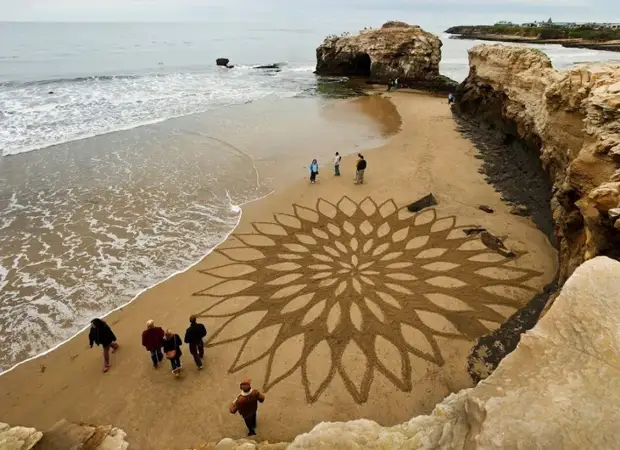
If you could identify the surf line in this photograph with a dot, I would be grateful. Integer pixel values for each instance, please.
(233, 207)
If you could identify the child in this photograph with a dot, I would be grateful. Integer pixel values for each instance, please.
(314, 171)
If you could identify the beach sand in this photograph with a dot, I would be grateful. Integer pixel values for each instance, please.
(335, 300)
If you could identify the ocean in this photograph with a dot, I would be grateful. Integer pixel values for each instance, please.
(126, 153)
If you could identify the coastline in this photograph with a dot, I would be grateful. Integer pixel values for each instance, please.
(611, 46)
(128, 416)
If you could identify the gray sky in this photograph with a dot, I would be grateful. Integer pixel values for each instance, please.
(428, 13)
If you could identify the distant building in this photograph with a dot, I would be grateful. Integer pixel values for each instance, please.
(503, 23)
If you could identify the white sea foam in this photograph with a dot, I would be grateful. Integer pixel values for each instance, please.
(35, 115)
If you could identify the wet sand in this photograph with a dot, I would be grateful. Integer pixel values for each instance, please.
(332, 297)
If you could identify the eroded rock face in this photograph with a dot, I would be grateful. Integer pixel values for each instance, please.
(558, 390)
(18, 438)
(572, 120)
(397, 50)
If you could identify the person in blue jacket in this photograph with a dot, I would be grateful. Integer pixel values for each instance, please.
(314, 170)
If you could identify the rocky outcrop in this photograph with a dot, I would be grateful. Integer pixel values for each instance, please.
(396, 50)
(62, 436)
(18, 438)
(571, 120)
(558, 390)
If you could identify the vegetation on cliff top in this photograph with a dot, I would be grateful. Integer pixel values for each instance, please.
(541, 33)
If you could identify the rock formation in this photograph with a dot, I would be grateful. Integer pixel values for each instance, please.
(396, 50)
(571, 119)
(62, 436)
(557, 390)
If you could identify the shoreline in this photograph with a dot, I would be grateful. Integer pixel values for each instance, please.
(406, 166)
(261, 186)
(612, 46)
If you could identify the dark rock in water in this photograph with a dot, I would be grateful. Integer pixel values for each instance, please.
(230, 66)
(486, 209)
(424, 202)
(222, 61)
(50, 92)
(268, 66)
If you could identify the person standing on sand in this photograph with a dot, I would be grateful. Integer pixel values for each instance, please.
(450, 99)
(246, 404)
(337, 160)
(153, 340)
(360, 168)
(314, 170)
(101, 334)
(194, 338)
(172, 348)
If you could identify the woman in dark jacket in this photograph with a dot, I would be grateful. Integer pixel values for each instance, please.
(172, 349)
(101, 334)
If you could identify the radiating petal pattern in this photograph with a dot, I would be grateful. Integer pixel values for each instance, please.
(351, 289)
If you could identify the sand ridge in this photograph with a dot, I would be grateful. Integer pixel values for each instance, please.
(332, 297)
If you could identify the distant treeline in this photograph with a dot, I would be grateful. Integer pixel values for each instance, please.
(586, 33)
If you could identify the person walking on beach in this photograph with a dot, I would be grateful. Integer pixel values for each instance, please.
(314, 170)
(153, 340)
(194, 338)
(450, 99)
(101, 334)
(246, 404)
(360, 168)
(172, 348)
(337, 160)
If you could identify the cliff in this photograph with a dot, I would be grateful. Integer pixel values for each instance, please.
(570, 119)
(558, 390)
(596, 39)
(396, 50)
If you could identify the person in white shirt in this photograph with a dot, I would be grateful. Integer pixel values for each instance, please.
(337, 160)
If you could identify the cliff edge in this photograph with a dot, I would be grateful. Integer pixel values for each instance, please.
(571, 119)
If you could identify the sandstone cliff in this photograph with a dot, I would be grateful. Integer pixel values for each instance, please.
(396, 50)
(557, 390)
(572, 120)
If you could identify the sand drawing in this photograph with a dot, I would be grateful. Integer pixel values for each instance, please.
(351, 289)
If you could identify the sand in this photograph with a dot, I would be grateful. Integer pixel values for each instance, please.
(332, 297)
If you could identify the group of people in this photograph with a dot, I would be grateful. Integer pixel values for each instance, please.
(160, 344)
(156, 341)
(360, 168)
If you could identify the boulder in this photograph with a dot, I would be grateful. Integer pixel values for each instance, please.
(18, 438)
(569, 119)
(397, 50)
(269, 66)
(222, 62)
(425, 202)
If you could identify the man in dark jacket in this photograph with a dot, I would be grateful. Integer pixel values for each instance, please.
(194, 338)
(246, 404)
(152, 339)
(101, 334)
(360, 169)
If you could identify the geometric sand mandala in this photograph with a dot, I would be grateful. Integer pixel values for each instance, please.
(352, 288)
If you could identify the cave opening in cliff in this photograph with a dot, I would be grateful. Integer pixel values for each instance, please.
(360, 65)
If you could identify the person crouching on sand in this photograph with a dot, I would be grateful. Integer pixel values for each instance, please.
(194, 338)
(314, 170)
(153, 340)
(246, 404)
(172, 348)
(101, 334)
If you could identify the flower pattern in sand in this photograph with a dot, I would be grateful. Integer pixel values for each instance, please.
(351, 289)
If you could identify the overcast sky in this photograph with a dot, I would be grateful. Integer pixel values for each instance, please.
(428, 13)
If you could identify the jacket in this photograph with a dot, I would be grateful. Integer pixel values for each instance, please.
(246, 405)
(101, 335)
(361, 164)
(174, 343)
(314, 168)
(195, 333)
(152, 338)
